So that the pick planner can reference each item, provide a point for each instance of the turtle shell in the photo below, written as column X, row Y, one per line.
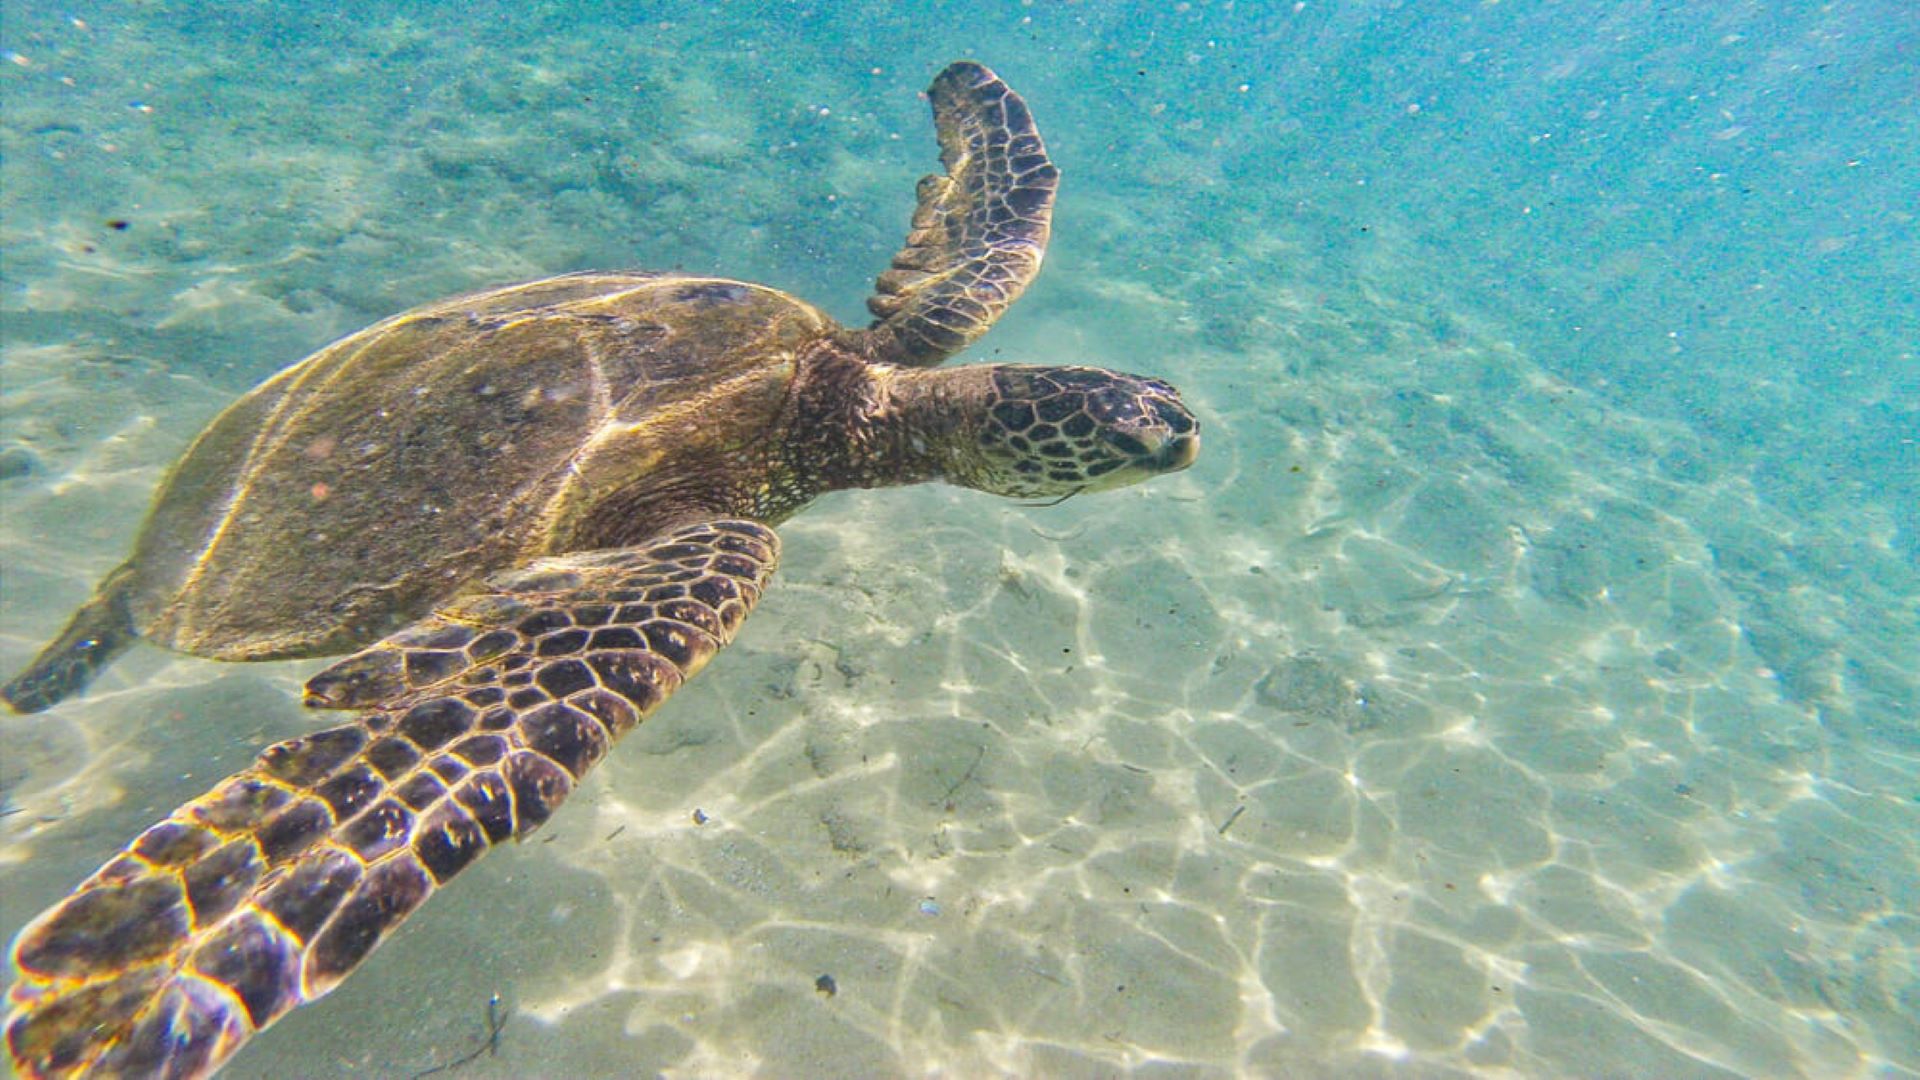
column 346, row 495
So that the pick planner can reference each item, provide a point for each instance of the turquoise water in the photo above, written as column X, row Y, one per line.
column 1522, row 684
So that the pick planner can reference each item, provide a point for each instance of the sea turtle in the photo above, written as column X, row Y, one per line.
column 557, row 501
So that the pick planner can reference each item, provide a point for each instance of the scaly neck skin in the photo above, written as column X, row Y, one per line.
column 859, row 424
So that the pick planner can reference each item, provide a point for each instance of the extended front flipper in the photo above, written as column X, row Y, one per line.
column 979, row 231
column 264, row 893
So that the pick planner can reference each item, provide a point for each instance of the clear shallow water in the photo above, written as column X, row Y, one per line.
column 1522, row 683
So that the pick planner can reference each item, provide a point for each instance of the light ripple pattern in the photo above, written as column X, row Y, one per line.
column 1522, row 684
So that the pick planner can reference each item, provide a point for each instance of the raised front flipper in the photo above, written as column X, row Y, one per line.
column 264, row 893
column 979, row 231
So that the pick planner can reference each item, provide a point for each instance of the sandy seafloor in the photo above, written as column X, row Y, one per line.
column 1522, row 684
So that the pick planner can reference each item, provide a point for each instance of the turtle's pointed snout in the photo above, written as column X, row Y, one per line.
column 1180, row 452
column 1169, row 430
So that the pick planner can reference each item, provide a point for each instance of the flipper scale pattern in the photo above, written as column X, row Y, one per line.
column 476, row 724
column 979, row 231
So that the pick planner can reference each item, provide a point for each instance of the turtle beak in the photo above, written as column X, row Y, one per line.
column 1173, row 443
column 1157, row 449
column 1178, row 452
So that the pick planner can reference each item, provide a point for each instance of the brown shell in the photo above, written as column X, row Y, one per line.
column 392, row 469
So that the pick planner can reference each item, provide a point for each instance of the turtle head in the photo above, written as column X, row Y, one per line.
column 1059, row 431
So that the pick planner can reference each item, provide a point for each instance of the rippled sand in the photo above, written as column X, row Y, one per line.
column 1443, row 720
column 1381, row 763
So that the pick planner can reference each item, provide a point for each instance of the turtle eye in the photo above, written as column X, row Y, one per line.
column 1125, row 443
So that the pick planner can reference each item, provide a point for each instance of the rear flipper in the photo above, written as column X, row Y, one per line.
column 100, row 631
column 264, row 893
